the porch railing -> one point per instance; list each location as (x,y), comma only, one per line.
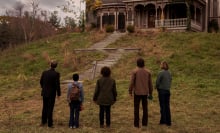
(171,23)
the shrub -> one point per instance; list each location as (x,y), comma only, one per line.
(109,28)
(213,26)
(130,28)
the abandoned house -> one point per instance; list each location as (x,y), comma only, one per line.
(146,14)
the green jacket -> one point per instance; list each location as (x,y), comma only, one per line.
(105,91)
(163,81)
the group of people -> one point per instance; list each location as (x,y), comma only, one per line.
(105,94)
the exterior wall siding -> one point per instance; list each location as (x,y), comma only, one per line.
(145,14)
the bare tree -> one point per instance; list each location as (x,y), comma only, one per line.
(35,7)
(10,12)
(68,6)
(19,7)
(44,14)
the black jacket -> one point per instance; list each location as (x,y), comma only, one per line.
(50,83)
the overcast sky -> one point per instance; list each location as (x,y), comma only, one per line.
(49,5)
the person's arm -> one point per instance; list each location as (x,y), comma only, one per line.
(114,91)
(150,96)
(41,83)
(68,92)
(150,85)
(82,93)
(96,93)
(41,80)
(158,80)
(132,83)
(58,85)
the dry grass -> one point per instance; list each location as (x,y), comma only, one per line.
(195,105)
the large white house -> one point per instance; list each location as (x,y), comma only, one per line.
(145,14)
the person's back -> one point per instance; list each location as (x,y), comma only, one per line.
(164,80)
(163,84)
(106,96)
(142,88)
(142,81)
(76,104)
(50,82)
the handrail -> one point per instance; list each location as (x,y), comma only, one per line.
(171,23)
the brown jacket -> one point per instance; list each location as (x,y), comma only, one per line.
(141,83)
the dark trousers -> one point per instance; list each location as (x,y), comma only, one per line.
(47,111)
(105,110)
(137,100)
(164,99)
(74,113)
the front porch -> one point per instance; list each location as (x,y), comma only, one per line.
(169,15)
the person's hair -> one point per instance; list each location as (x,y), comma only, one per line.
(53,64)
(105,71)
(164,65)
(75,77)
(140,62)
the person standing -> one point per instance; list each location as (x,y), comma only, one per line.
(50,84)
(142,88)
(105,95)
(163,84)
(76,104)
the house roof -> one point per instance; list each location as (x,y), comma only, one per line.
(111,1)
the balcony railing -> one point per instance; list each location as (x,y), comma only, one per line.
(171,23)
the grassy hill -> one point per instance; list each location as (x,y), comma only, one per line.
(194,63)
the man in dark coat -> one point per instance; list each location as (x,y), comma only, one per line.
(50,84)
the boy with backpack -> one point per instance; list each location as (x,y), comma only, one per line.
(75,97)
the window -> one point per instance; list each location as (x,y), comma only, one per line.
(215,8)
(129,15)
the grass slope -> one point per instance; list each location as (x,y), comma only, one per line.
(194,63)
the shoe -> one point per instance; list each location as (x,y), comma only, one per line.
(71,127)
(168,124)
(136,126)
(42,125)
(101,126)
(51,126)
(162,123)
(108,126)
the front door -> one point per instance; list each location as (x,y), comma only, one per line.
(121,22)
(151,18)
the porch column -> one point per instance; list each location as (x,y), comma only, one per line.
(115,20)
(133,15)
(195,16)
(162,16)
(206,17)
(101,14)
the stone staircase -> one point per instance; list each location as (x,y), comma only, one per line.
(113,57)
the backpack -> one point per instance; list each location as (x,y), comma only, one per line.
(74,93)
